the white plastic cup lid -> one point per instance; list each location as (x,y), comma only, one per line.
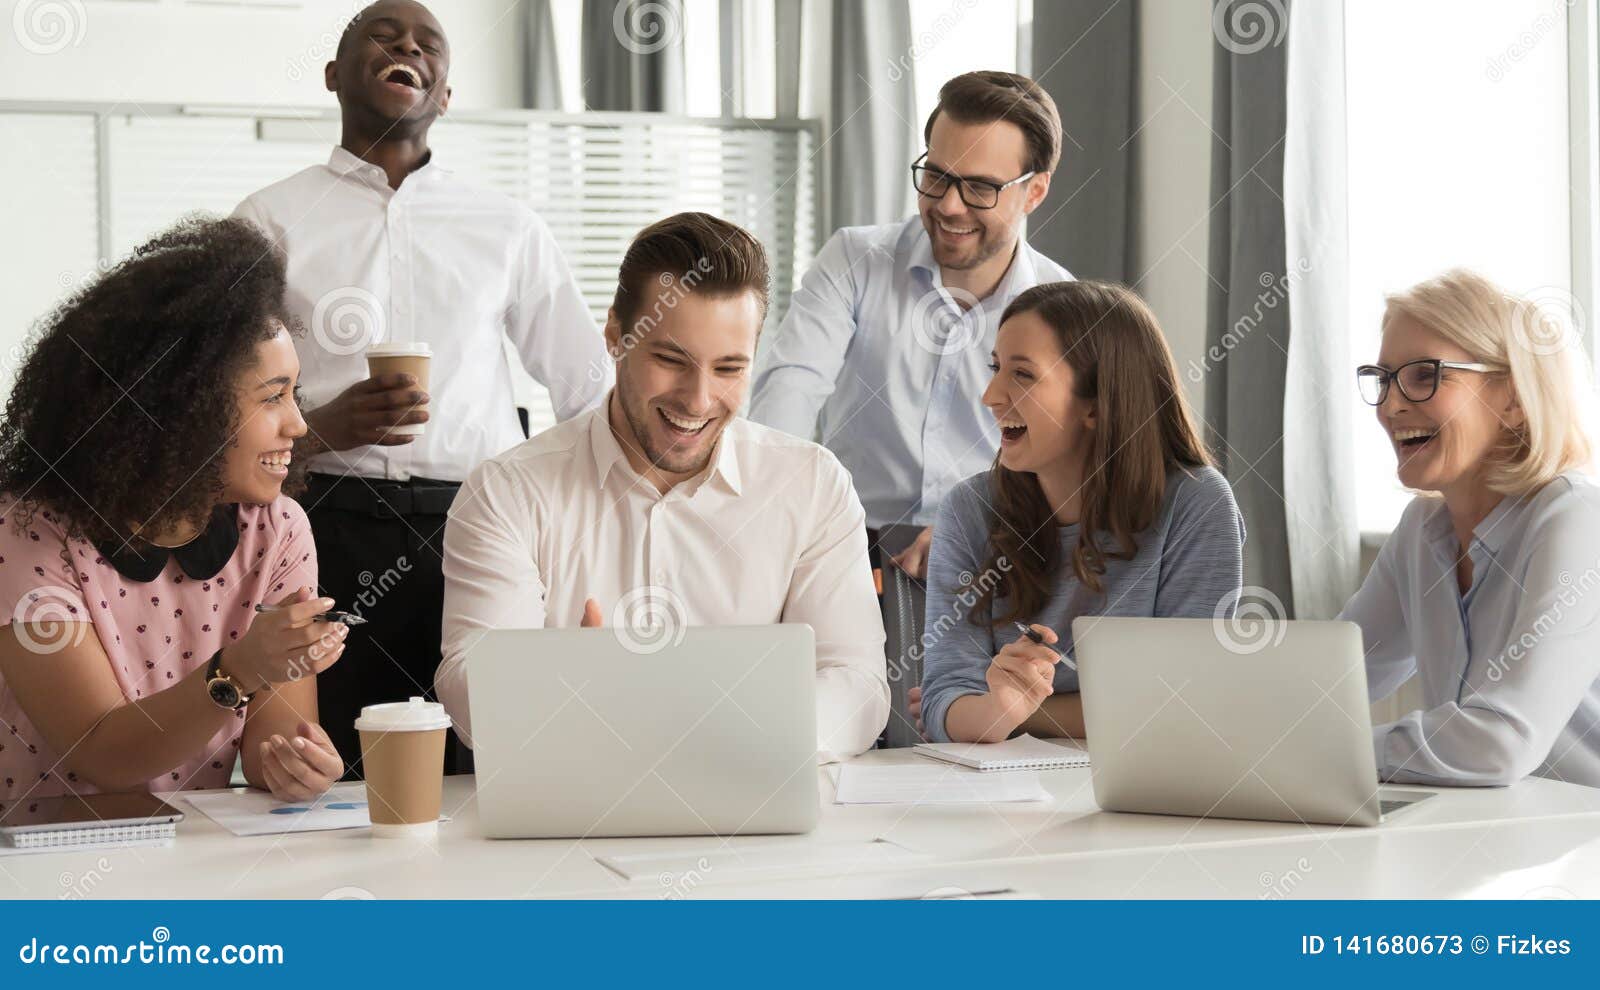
(396,349)
(416,715)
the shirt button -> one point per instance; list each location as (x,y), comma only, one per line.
(661,577)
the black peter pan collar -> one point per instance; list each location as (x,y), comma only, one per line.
(201,558)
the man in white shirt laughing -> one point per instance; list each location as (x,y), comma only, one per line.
(664,502)
(384,245)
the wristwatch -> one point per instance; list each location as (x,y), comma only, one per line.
(223,689)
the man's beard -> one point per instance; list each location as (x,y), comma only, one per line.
(640,420)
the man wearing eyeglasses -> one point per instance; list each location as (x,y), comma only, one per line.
(885,347)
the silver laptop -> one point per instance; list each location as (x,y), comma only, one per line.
(586,733)
(1184,717)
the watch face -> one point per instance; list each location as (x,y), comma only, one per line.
(224,693)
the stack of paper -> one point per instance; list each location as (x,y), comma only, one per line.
(866,783)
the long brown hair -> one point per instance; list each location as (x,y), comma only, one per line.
(1121,363)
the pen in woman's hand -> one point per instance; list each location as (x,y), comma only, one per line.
(332,615)
(1035,635)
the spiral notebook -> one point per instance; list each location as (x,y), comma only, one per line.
(1022,753)
(89,821)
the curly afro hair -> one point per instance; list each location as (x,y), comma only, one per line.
(126,405)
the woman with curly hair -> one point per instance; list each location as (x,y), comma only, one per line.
(144,457)
(1102,501)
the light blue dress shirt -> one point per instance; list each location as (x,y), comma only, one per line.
(880,354)
(1510,671)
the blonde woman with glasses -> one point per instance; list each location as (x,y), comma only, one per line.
(1489,588)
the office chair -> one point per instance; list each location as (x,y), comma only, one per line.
(904,611)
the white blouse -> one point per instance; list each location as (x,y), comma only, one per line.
(1510,671)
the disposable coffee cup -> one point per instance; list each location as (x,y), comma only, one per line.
(407,359)
(402,754)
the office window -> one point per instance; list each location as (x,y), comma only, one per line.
(949,37)
(595,184)
(1457,126)
(698,31)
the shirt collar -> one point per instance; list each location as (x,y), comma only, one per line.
(1491,532)
(202,558)
(341,161)
(921,259)
(608,453)
(1019,276)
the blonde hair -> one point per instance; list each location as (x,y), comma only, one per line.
(1535,349)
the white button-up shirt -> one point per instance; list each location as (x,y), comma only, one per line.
(436,261)
(877,348)
(1510,671)
(770,532)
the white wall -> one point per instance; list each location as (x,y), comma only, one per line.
(1173,165)
(180,51)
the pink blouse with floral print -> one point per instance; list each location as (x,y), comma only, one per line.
(154,633)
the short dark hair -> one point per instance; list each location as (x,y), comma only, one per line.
(988,95)
(695,251)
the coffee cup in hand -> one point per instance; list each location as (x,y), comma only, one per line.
(407,359)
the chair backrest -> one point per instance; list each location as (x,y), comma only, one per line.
(904,611)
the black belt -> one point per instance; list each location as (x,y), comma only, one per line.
(379,498)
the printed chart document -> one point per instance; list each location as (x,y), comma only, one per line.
(245,811)
(863,783)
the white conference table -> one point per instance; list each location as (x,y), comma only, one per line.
(1538,838)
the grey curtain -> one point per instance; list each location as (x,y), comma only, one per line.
(1275,359)
(1319,452)
(871,132)
(788,29)
(633,55)
(1085,55)
(1247,340)
(542,82)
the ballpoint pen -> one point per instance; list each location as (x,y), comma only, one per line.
(1034,635)
(332,615)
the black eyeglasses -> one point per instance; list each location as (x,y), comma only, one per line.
(1418,380)
(980,194)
